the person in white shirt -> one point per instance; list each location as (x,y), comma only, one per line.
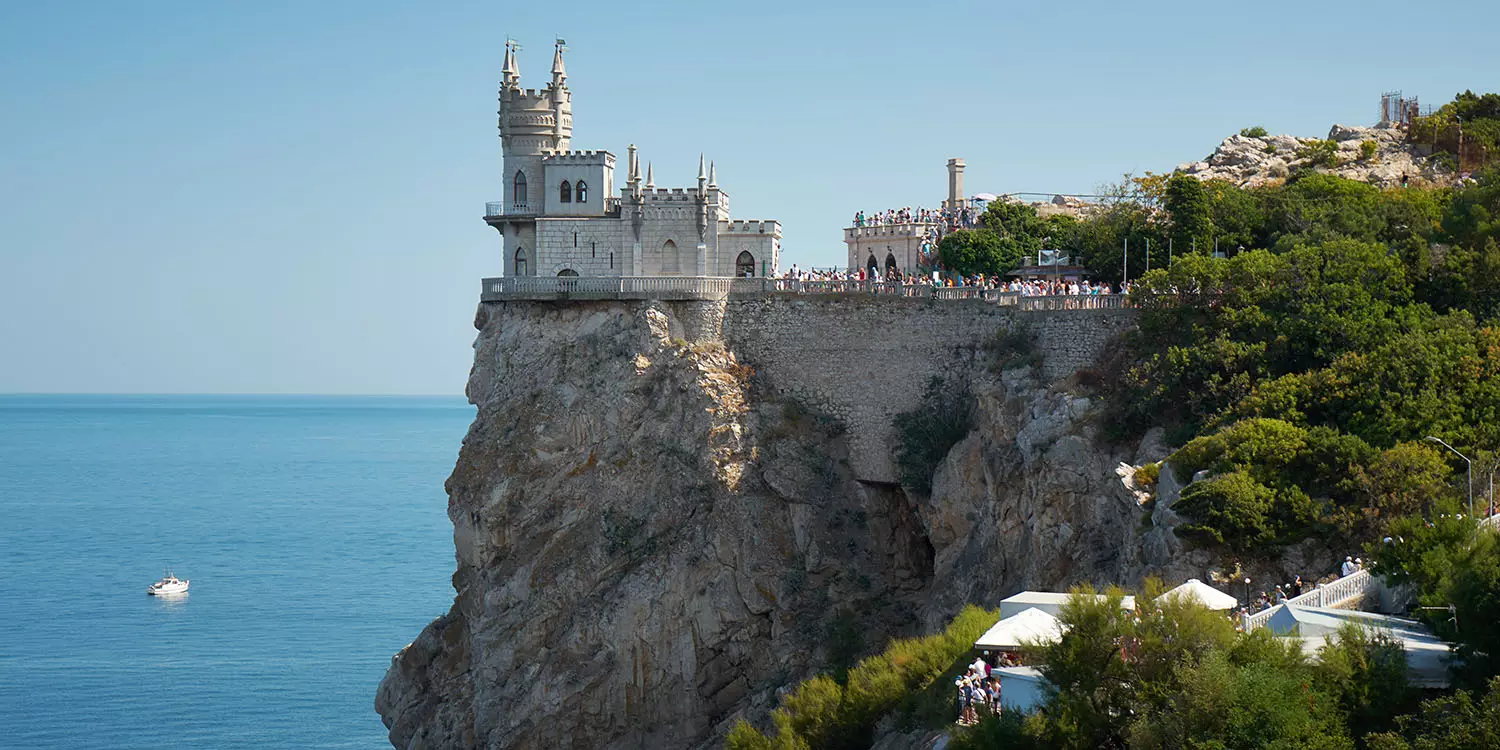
(1347,569)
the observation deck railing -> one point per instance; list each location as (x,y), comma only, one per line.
(1356,586)
(495,209)
(719,287)
(1359,585)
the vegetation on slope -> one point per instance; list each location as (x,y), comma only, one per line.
(826,713)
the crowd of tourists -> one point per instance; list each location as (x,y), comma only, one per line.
(979,691)
(1025,288)
(946,219)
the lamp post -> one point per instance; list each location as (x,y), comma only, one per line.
(1247,591)
(1470,473)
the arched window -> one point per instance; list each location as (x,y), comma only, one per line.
(890,263)
(872,266)
(581,191)
(745,264)
(565,192)
(520,261)
(518,189)
(567,272)
(669,260)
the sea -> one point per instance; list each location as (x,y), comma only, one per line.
(314,533)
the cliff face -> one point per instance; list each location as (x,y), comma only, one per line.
(652,536)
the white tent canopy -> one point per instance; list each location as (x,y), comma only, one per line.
(1047,601)
(1208,596)
(1030,626)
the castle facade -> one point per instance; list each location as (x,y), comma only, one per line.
(559,215)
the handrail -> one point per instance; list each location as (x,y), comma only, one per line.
(715,287)
(498,208)
(1358,584)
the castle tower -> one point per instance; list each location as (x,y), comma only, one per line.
(533,123)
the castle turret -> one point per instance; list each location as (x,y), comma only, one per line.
(510,75)
(533,124)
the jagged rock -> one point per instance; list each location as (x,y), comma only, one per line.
(1253,162)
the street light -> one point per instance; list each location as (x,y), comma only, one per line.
(1471,471)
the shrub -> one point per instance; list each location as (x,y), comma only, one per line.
(1016,347)
(1324,153)
(1147,475)
(821,713)
(926,434)
(1367,150)
(1231,509)
(1254,131)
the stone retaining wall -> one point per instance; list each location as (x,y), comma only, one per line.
(865,359)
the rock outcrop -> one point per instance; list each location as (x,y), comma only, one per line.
(1248,161)
(652,539)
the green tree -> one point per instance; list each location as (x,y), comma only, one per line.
(1365,672)
(1454,722)
(971,251)
(1404,480)
(1192,214)
(1221,705)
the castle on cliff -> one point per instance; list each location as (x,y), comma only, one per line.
(558,216)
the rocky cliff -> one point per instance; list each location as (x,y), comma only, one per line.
(1248,161)
(655,531)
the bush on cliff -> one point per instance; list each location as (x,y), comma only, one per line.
(821,713)
(926,434)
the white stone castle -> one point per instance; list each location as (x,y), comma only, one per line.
(558,218)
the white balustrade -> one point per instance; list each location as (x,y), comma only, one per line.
(717,287)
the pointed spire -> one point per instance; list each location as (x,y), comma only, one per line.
(633,167)
(701,174)
(509,73)
(559,73)
(713,176)
(650,179)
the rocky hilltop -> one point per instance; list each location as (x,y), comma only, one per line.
(1249,161)
(657,525)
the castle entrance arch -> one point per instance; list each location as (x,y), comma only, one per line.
(872,267)
(890,263)
(745,264)
(569,275)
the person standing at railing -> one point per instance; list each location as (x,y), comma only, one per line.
(1347,569)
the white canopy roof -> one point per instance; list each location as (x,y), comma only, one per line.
(1208,596)
(1047,601)
(1030,626)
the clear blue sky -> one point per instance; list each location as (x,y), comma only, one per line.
(286,196)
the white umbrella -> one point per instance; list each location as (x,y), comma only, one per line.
(1202,593)
(1031,625)
(985,196)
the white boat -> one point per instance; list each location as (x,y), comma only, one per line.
(169,584)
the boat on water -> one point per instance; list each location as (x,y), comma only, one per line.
(169,584)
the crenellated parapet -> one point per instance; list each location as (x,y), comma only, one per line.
(585,158)
(751,226)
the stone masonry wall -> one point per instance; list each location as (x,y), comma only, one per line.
(865,360)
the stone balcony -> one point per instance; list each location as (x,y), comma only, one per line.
(498,210)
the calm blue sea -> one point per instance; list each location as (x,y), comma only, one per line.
(314,531)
